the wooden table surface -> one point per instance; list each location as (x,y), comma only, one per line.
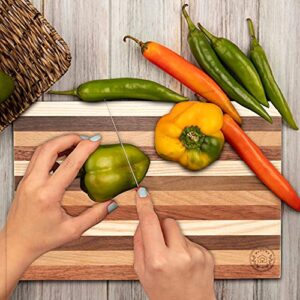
(94,31)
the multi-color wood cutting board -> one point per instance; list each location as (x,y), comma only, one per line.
(224,207)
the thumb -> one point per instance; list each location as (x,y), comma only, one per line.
(149,224)
(94,215)
(144,205)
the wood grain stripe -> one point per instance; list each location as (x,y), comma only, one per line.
(118,108)
(183,183)
(137,123)
(92,243)
(138,138)
(171,198)
(165,168)
(271,152)
(195,212)
(111,258)
(194,228)
(121,272)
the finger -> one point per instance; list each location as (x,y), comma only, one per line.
(32,162)
(172,233)
(153,239)
(138,249)
(70,167)
(92,216)
(48,152)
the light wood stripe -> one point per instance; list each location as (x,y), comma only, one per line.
(121,272)
(171,198)
(92,243)
(164,168)
(112,258)
(138,138)
(194,228)
(118,108)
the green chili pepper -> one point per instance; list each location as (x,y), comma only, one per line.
(242,67)
(209,61)
(274,94)
(106,172)
(6,86)
(123,88)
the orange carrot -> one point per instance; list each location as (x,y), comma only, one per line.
(188,74)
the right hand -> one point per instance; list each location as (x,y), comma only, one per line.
(169,266)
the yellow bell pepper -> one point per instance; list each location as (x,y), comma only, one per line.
(190,134)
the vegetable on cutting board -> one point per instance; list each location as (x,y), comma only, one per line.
(106,172)
(237,62)
(258,163)
(210,63)
(190,134)
(187,73)
(123,88)
(273,92)
(6,86)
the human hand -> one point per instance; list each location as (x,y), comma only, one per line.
(37,222)
(169,266)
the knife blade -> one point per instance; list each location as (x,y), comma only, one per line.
(122,145)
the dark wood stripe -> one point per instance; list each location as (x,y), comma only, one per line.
(192,212)
(94,243)
(245,272)
(126,123)
(193,183)
(127,273)
(271,152)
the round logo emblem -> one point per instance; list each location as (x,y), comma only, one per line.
(262,259)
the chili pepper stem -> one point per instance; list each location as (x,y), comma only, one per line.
(209,35)
(139,42)
(251,28)
(70,92)
(187,17)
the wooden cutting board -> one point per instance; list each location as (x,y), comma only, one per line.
(225,208)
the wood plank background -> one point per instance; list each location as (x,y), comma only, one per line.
(80,25)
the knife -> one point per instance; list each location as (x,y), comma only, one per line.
(121,143)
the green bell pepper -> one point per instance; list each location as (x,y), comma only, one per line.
(106,172)
(6,86)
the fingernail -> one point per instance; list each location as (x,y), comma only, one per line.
(84,137)
(112,206)
(96,138)
(142,192)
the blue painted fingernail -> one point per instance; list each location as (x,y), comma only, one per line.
(142,192)
(112,206)
(96,138)
(84,137)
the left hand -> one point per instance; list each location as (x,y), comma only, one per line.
(37,222)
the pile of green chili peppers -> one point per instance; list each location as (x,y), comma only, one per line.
(248,81)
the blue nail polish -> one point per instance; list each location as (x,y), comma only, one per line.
(84,137)
(96,138)
(112,206)
(142,192)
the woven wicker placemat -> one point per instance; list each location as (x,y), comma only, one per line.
(32,52)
